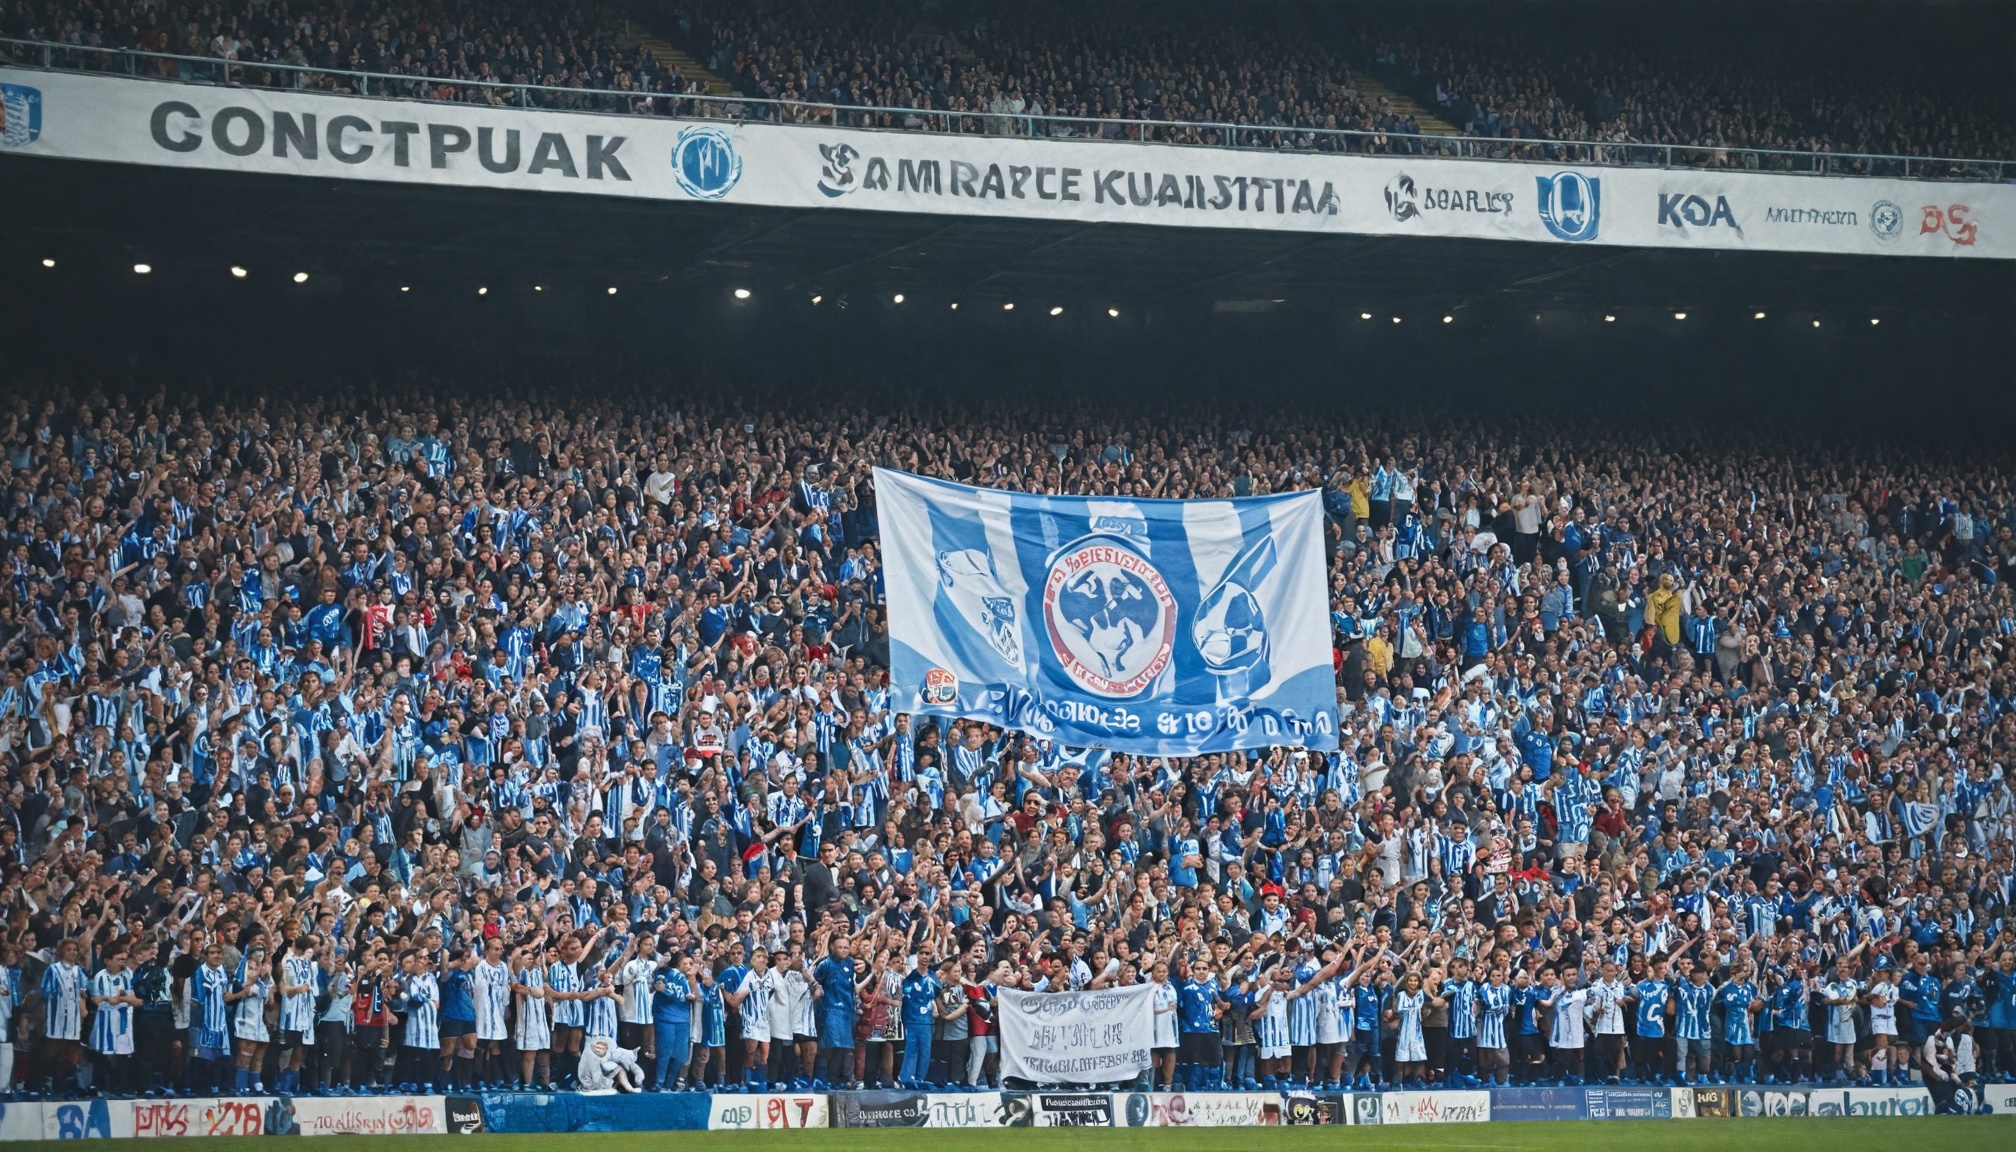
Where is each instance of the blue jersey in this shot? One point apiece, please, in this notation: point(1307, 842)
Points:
point(601, 1017)
point(1790, 1008)
point(1193, 1005)
point(423, 1007)
point(1462, 998)
point(836, 987)
point(1493, 1002)
point(1694, 1003)
point(1737, 1025)
point(1652, 998)
point(671, 998)
point(713, 1017)
point(63, 1001)
point(1526, 1009)
point(458, 1001)
point(211, 1023)
point(112, 1024)
point(566, 978)
point(920, 992)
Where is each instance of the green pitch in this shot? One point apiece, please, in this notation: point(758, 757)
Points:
point(1792, 1134)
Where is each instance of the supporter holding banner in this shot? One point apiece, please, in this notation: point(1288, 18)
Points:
point(1152, 626)
point(1077, 1037)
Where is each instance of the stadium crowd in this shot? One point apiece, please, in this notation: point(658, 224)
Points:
point(411, 739)
point(1707, 86)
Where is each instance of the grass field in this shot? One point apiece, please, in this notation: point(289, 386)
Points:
point(1790, 1134)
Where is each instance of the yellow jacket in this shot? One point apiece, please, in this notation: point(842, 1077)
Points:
point(1662, 609)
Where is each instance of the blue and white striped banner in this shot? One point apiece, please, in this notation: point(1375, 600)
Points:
point(1157, 626)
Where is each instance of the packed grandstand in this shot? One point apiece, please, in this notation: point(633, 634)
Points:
point(409, 742)
point(431, 738)
point(1714, 85)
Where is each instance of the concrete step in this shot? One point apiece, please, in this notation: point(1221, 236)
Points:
point(1431, 124)
point(686, 65)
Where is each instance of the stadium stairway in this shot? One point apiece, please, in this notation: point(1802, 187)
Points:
point(683, 63)
point(1431, 124)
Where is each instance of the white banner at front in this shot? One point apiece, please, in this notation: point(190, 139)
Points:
point(1077, 1037)
point(135, 121)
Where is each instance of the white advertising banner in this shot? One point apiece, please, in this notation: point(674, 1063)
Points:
point(1434, 1107)
point(805, 166)
point(370, 1115)
point(1196, 1109)
point(1077, 1037)
point(768, 1111)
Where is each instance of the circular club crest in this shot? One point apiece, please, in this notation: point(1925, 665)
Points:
point(1110, 616)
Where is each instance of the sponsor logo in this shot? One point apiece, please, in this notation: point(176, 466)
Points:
point(1954, 221)
point(941, 688)
point(1571, 205)
point(836, 174)
point(1110, 616)
point(1436, 1107)
point(1365, 1108)
point(465, 1115)
point(1682, 210)
point(1826, 217)
point(20, 115)
point(705, 162)
point(1886, 220)
point(1405, 201)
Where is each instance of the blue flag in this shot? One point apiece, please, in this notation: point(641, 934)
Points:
point(1156, 626)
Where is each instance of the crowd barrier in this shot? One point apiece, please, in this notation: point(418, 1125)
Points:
point(1061, 1108)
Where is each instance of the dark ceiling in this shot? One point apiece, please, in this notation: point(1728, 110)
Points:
point(512, 290)
point(371, 233)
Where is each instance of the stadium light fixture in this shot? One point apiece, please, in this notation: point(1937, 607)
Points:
point(1113, 312)
point(1758, 316)
point(1609, 319)
point(612, 290)
point(1057, 311)
point(405, 288)
point(143, 269)
point(955, 305)
point(48, 263)
point(237, 272)
point(1679, 315)
point(300, 277)
point(1448, 319)
point(816, 299)
point(1873, 321)
point(1008, 307)
point(482, 291)
point(538, 288)
point(741, 293)
point(1396, 319)
point(898, 298)
point(1364, 315)
point(1816, 323)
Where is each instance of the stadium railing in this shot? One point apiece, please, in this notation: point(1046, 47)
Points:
point(1261, 137)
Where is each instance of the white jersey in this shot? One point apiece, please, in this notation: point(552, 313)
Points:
point(297, 1012)
point(635, 981)
point(1841, 1017)
point(1883, 1008)
point(112, 1024)
point(533, 1034)
point(491, 989)
point(789, 992)
point(1570, 1011)
point(249, 1022)
point(1165, 1015)
point(1271, 1029)
point(755, 993)
point(1606, 1007)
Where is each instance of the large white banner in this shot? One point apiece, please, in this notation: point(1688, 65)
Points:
point(803, 166)
point(1164, 627)
point(1077, 1037)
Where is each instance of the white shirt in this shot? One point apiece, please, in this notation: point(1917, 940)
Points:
point(1570, 1010)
